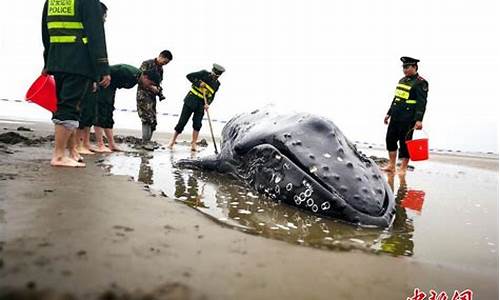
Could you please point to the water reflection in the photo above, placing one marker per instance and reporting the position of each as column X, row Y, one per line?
column 400, row 241
column 236, row 205
column 145, row 171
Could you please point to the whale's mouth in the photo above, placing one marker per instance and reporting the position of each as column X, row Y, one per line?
column 280, row 174
column 310, row 173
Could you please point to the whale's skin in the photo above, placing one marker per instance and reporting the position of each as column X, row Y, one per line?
column 305, row 161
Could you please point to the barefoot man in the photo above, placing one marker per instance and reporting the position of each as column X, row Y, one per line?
column 406, row 112
column 204, row 86
column 122, row 77
column 75, row 53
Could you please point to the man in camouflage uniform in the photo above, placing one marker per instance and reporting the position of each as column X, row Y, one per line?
column 146, row 99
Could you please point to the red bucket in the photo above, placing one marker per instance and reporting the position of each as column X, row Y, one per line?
column 414, row 200
column 43, row 92
column 418, row 148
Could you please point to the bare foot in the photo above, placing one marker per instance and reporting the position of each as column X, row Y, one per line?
column 74, row 155
column 103, row 149
column 389, row 169
column 193, row 147
column 66, row 162
column 114, row 148
column 85, row 151
column 170, row 146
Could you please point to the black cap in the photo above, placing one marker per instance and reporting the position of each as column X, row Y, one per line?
column 409, row 60
column 218, row 69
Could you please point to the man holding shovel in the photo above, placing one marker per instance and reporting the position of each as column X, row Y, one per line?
column 204, row 86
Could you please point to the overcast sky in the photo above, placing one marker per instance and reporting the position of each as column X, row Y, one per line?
column 339, row 59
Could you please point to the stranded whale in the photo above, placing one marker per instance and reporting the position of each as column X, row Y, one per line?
column 305, row 161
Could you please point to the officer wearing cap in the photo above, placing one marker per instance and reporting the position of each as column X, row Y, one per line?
column 406, row 112
column 204, row 86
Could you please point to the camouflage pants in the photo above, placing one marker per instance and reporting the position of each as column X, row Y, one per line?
column 146, row 108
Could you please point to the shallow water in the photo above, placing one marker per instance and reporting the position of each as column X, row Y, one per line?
column 446, row 214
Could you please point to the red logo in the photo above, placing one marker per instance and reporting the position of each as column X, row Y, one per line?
column 433, row 295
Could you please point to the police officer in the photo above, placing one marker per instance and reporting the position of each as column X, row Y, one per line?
column 406, row 113
column 204, row 86
column 75, row 53
column 146, row 99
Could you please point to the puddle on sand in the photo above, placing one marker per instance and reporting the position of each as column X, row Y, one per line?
column 236, row 205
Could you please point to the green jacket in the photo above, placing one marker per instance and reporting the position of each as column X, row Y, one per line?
column 124, row 76
column 73, row 38
column 410, row 99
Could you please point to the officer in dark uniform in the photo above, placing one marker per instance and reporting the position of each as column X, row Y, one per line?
column 204, row 86
column 123, row 76
column 406, row 113
column 75, row 53
column 88, row 110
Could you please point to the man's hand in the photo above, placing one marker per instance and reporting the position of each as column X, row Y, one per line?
column 202, row 84
column 418, row 125
column 386, row 119
column 206, row 107
column 94, row 87
column 154, row 89
column 105, row 81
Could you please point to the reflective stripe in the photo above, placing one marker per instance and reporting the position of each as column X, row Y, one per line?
column 196, row 93
column 411, row 101
column 63, row 39
column 65, row 25
column 66, row 39
column 209, row 88
column 402, row 94
column 404, row 86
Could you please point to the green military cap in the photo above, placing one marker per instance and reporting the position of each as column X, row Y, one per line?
column 409, row 60
column 218, row 69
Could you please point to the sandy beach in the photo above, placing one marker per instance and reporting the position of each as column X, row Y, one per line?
column 88, row 234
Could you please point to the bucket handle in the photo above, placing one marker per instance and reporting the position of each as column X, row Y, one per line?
column 412, row 129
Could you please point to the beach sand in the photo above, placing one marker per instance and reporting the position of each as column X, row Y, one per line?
column 83, row 234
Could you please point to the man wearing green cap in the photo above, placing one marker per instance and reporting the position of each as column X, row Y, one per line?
column 123, row 76
column 405, row 114
column 75, row 53
column 204, row 86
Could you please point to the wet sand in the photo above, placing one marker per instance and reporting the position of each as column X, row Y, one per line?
column 83, row 234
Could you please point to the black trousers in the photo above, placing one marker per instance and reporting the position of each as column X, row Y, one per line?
column 88, row 110
column 399, row 131
column 71, row 90
column 192, row 106
column 105, row 107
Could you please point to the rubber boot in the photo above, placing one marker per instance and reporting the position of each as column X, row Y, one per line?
column 146, row 133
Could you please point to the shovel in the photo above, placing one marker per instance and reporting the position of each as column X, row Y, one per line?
column 210, row 123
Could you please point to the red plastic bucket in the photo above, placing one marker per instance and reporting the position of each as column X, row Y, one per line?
column 43, row 92
column 414, row 200
column 418, row 148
